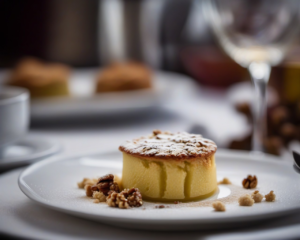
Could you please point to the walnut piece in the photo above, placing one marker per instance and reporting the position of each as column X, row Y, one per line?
column 112, row 200
column 219, row 206
column 270, row 197
column 96, row 201
column 225, row 181
column 86, row 181
column 250, row 182
column 125, row 199
column 257, row 197
column 106, row 185
column 88, row 190
column 246, row 200
column 99, row 196
column 156, row 132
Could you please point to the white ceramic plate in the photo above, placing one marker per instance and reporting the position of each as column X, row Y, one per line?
column 52, row 183
column 26, row 151
column 84, row 102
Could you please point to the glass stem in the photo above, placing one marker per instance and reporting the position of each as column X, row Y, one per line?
column 260, row 73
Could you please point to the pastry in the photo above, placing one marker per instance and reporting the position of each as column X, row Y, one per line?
column 123, row 77
column 170, row 167
column 41, row 79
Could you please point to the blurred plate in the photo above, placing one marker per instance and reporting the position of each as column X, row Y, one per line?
column 84, row 102
column 26, row 151
column 52, row 183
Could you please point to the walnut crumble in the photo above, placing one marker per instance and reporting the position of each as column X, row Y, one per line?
column 250, row 182
column 219, row 206
column 257, row 197
column 225, row 181
column 99, row 188
column 106, row 185
column 246, row 200
column 125, row 199
column 86, row 181
column 99, row 196
column 270, row 197
column 88, row 190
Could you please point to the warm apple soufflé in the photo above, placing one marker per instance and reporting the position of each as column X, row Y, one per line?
column 170, row 166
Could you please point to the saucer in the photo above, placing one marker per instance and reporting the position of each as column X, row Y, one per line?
column 26, row 151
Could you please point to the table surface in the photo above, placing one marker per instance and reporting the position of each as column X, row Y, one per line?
column 21, row 217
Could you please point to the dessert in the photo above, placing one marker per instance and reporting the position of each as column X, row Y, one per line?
column 123, row 77
column 41, row 79
column 170, row 167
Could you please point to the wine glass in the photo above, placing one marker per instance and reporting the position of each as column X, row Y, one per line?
column 256, row 34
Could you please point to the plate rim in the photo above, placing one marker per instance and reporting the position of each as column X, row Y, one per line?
column 154, row 221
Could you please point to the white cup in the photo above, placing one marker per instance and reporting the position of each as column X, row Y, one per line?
column 14, row 114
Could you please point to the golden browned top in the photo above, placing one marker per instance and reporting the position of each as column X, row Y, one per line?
column 33, row 72
column 166, row 145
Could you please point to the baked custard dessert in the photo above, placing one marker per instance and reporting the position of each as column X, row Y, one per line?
column 123, row 77
column 170, row 167
column 41, row 79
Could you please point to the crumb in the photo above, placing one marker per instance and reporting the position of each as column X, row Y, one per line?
column 270, row 197
column 88, row 190
column 96, row 201
column 176, row 202
column 156, row 132
column 219, row 206
column 143, row 208
column 86, row 181
column 99, row 196
column 257, row 197
column 225, row 181
column 82, row 183
column 246, row 200
column 161, row 206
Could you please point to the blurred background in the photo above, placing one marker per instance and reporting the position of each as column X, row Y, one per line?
column 164, row 35
column 168, row 35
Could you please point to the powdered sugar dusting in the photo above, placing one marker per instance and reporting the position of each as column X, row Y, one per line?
column 175, row 145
